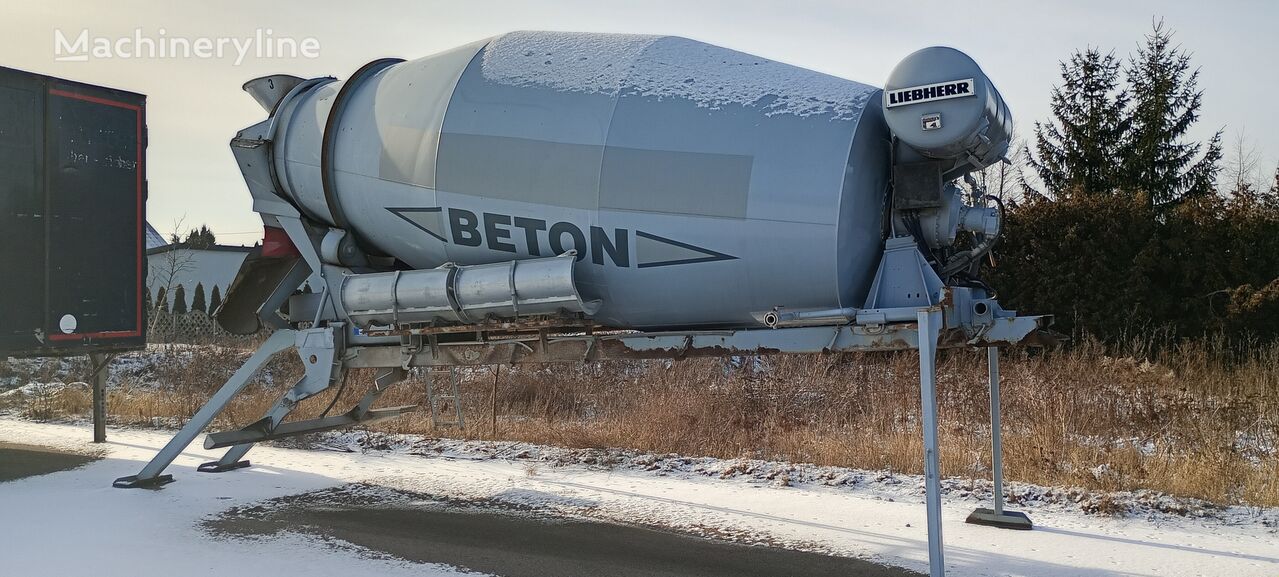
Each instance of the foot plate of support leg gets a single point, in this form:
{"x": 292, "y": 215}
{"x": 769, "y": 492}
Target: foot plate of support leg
{"x": 216, "y": 467}
{"x": 1006, "y": 520}
{"x": 133, "y": 482}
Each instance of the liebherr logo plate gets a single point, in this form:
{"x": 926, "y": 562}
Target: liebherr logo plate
{"x": 929, "y": 93}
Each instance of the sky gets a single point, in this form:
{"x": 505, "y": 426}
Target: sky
{"x": 195, "y": 105}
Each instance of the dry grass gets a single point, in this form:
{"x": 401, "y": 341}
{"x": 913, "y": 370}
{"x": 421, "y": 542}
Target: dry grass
{"x": 1197, "y": 421}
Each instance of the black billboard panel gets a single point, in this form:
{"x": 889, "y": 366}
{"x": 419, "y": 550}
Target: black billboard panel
{"x": 72, "y": 216}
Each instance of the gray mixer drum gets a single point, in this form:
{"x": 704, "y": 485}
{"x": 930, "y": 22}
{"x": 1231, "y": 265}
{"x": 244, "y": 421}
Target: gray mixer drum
{"x": 697, "y": 184}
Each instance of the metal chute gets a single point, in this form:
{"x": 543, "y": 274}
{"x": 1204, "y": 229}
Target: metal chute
{"x": 257, "y": 280}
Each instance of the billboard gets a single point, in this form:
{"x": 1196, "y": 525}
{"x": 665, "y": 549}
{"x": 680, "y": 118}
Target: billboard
{"x": 72, "y": 217}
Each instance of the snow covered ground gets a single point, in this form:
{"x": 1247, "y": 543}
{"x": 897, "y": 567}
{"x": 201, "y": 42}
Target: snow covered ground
{"x": 870, "y": 515}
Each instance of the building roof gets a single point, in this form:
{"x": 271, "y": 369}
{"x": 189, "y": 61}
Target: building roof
{"x": 214, "y": 248}
{"x": 154, "y": 238}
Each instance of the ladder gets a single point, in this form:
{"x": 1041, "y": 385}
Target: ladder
{"x": 439, "y": 401}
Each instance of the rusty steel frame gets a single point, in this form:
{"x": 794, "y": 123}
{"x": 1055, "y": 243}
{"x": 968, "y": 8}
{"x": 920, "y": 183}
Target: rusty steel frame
{"x": 544, "y": 347}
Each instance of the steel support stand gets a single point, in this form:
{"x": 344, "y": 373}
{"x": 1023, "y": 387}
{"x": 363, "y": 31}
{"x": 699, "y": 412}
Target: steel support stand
{"x": 234, "y": 457}
{"x": 996, "y": 439}
{"x": 150, "y": 475}
{"x": 99, "y": 362}
{"x": 930, "y": 321}
{"x": 267, "y": 425}
{"x": 997, "y": 517}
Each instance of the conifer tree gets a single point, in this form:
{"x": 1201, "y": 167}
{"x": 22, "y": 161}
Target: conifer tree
{"x": 180, "y": 300}
{"x": 162, "y": 300}
{"x": 1079, "y": 150}
{"x": 1165, "y": 103}
{"x": 215, "y": 300}
{"x": 200, "y": 238}
{"x": 197, "y": 299}
{"x": 1270, "y": 198}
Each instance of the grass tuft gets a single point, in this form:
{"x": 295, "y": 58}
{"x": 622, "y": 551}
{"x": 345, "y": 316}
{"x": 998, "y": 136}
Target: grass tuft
{"x": 1196, "y": 420}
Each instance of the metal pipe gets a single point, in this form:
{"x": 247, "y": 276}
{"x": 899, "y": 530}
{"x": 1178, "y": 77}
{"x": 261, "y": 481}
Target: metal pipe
{"x": 319, "y": 311}
{"x": 780, "y": 317}
{"x": 784, "y": 318}
{"x": 464, "y": 294}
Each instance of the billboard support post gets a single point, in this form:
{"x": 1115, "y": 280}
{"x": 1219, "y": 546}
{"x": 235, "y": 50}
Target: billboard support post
{"x": 100, "y": 362}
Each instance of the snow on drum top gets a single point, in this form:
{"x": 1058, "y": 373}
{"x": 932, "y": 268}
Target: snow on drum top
{"x": 669, "y": 67}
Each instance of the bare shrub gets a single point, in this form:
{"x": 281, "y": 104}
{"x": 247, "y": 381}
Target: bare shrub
{"x": 1198, "y": 419}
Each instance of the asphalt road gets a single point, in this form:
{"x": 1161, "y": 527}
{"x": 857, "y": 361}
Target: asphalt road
{"x": 510, "y": 544}
{"x": 18, "y": 461}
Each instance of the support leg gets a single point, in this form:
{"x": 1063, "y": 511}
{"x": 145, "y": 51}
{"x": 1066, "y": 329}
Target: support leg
{"x": 383, "y": 380}
{"x": 930, "y": 321}
{"x": 99, "y": 362}
{"x": 996, "y": 438}
{"x": 234, "y": 457}
{"x": 150, "y": 475}
{"x": 997, "y": 517}
{"x": 361, "y": 413}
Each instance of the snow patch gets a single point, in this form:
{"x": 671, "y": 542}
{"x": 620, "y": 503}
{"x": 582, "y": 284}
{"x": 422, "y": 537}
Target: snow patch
{"x": 873, "y": 515}
{"x": 889, "y": 486}
{"x": 668, "y": 67}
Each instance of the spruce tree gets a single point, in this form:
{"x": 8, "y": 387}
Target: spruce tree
{"x": 1079, "y": 148}
{"x": 215, "y": 300}
{"x": 162, "y": 300}
{"x": 1270, "y": 198}
{"x": 1166, "y": 101}
{"x": 180, "y": 300}
{"x": 200, "y": 238}
{"x": 197, "y": 299}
